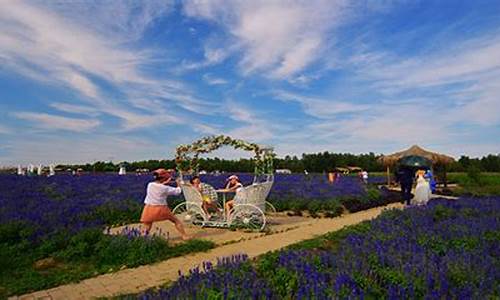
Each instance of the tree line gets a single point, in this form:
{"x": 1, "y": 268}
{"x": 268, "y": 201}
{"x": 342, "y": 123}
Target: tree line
{"x": 316, "y": 162}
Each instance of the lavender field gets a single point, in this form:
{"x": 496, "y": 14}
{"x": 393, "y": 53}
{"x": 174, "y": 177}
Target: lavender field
{"x": 72, "y": 203}
{"x": 418, "y": 253}
{"x": 447, "y": 250}
{"x": 54, "y": 226}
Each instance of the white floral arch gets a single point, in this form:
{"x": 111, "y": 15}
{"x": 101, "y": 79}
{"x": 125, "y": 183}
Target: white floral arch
{"x": 187, "y": 155}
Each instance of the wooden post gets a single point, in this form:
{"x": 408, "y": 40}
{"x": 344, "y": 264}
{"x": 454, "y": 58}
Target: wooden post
{"x": 444, "y": 175}
{"x": 388, "y": 175}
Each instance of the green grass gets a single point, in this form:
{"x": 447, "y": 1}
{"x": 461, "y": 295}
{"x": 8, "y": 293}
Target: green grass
{"x": 25, "y": 267}
{"x": 477, "y": 184}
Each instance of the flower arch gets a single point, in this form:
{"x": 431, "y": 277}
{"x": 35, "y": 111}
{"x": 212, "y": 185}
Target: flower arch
{"x": 187, "y": 155}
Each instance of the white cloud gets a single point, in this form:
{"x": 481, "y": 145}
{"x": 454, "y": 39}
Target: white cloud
{"x": 53, "y": 122}
{"x": 134, "y": 121}
{"x": 378, "y": 127}
{"x": 212, "y": 55}
{"x": 298, "y": 58}
{"x": 156, "y": 115}
{"x": 249, "y": 125}
{"x": 81, "y": 149}
{"x": 83, "y": 84}
{"x": 465, "y": 76}
{"x": 75, "y": 109}
{"x": 210, "y": 79}
{"x": 79, "y": 44}
{"x": 279, "y": 37}
{"x": 442, "y": 100}
{"x": 125, "y": 19}
{"x": 42, "y": 42}
{"x": 4, "y": 130}
{"x": 322, "y": 107}
{"x": 239, "y": 113}
{"x": 206, "y": 129}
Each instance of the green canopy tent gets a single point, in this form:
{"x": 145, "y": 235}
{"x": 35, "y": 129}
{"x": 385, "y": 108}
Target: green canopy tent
{"x": 416, "y": 162}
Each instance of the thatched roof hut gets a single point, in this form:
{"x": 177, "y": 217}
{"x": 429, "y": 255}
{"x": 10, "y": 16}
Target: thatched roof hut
{"x": 436, "y": 158}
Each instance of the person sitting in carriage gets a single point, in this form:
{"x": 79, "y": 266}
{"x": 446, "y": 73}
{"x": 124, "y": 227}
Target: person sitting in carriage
{"x": 205, "y": 191}
{"x": 233, "y": 185}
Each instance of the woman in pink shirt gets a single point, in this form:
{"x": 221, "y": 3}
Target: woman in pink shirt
{"x": 156, "y": 207}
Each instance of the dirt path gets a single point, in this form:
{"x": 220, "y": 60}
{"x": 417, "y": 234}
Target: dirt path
{"x": 144, "y": 277}
{"x": 398, "y": 189}
{"x": 276, "y": 223}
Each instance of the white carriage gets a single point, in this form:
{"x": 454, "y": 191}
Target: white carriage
{"x": 250, "y": 205}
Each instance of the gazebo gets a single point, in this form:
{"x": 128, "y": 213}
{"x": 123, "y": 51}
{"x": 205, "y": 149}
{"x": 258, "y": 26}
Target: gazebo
{"x": 436, "y": 158}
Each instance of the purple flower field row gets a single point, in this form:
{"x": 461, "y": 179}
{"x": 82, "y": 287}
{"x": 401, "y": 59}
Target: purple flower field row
{"x": 70, "y": 203}
{"x": 447, "y": 250}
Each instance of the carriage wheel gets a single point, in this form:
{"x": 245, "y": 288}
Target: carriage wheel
{"x": 247, "y": 216}
{"x": 270, "y": 208}
{"x": 190, "y": 214}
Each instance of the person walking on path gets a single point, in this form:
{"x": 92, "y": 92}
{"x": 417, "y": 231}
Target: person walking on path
{"x": 156, "y": 207}
{"x": 405, "y": 178}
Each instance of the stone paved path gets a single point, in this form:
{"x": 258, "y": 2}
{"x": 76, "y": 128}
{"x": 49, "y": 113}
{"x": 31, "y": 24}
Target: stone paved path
{"x": 144, "y": 277}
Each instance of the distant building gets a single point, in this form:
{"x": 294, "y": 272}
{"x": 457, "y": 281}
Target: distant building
{"x": 141, "y": 171}
{"x": 283, "y": 171}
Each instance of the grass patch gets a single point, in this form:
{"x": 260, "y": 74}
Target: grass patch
{"x": 475, "y": 183}
{"x": 59, "y": 260}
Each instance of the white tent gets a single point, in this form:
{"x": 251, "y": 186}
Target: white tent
{"x": 122, "y": 171}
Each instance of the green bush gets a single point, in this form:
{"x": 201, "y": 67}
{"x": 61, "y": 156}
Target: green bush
{"x": 373, "y": 194}
{"x": 314, "y": 206}
{"x": 82, "y": 245}
{"x": 87, "y": 253}
{"x": 116, "y": 213}
{"x": 14, "y": 232}
{"x": 333, "y": 208}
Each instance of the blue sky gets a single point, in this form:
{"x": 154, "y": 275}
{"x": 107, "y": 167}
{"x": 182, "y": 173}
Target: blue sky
{"x": 129, "y": 80}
